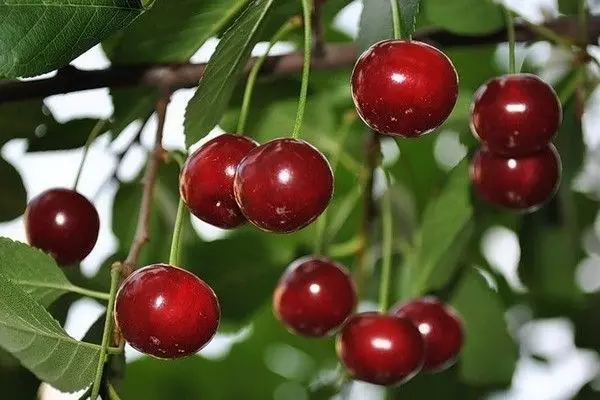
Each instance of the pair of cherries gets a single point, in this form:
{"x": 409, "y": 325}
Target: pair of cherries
{"x": 516, "y": 116}
{"x": 316, "y": 297}
{"x": 281, "y": 186}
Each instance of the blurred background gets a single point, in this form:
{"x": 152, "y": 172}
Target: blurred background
{"x": 550, "y": 365}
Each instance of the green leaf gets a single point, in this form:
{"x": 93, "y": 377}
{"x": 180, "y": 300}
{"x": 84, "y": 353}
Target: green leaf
{"x": 37, "y": 36}
{"x": 465, "y": 16}
{"x": 131, "y": 105}
{"x": 173, "y": 30}
{"x": 568, "y": 7}
{"x": 14, "y": 198}
{"x": 375, "y": 23}
{"x": 489, "y": 354}
{"x": 216, "y": 86}
{"x": 408, "y": 12}
{"x": 31, "y": 334}
{"x": 70, "y": 135}
{"x": 445, "y": 230}
{"x": 33, "y": 271}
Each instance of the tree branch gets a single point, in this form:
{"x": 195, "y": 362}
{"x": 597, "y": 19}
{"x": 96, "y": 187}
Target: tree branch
{"x": 176, "y": 76}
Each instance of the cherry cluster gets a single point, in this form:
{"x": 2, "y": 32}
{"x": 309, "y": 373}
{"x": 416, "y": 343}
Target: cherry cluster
{"x": 515, "y": 117}
{"x": 316, "y": 297}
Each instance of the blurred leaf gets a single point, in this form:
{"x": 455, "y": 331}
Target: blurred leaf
{"x": 375, "y": 23}
{"x": 216, "y": 86}
{"x": 14, "y": 198}
{"x": 445, "y": 230}
{"x": 16, "y": 381}
{"x": 70, "y": 135}
{"x": 35, "y": 272}
{"x": 269, "y": 359}
{"x": 465, "y": 16}
{"x": 441, "y": 385}
{"x": 568, "y": 7}
{"x": 37, "y": 36}
{"x": 20, "y": 119}
{"x": 489, "y": 354}
{"x": 172, "y": 30}
{"x": 37, "y": 340}
{"x": 131, "y": 105}
{"x": 409, "y": 9}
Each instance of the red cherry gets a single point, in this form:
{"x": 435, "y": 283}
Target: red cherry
{"x": 522, "y": 184}
{"x": 516, "y": 114}
{"x": 62, "y": 223}
{"x": 166, "y": 312}
{"x": 314, "y": 296}
{"x": 283, "y": 185}
{"x": 380, "y": 348}
{"x": 404, "y": 88}
{"x": 206, "y": 182}
{"x": 440, "y": 326}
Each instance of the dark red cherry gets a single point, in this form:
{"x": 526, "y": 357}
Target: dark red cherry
{"x": 314, "y": 296}
{"x": 380, "y": 348}
{"x": 283, "y": 185}
{"x": 206, "y": 181}
{"x": 522, "y": 184}
{"x": 62, "y": 223}
{"x": 166, "y": 312}
{"x": 440, "y": 326}
{"x": 515, "y": 114}
{"x": 404, "y": 88}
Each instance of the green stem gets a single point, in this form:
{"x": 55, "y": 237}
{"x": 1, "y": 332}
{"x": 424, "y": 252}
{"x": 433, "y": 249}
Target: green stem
{"x": 251, "y": 82}
{"x": 115, "y": 274}
{"x": 177, "y": 231}
{"x": 387, "y": 248}
{"x": 510, "y": 29}
{"x": 112, "y": 393}
{"x": 93, "y": 134}
{"x": 114, "y": 350}
{"x": 347, "y": 248}
{"x": 583, "y": 22}
{"x": 396, "y": 19}
{"x": 306, "y": 13}
{"x": 349, "y": 118}
{"x": 549, "y": 34}
{"x": 89, "y": 293}
{"x": 572, "y": 84}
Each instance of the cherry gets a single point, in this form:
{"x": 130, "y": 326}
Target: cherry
{"x": 404, "y": 88}
{"x": 206, "y": 182}
{"x": 522, "y": 184}
{"x": 515, "y": 114}
{"x": 314, "y": 296}
{"x": 62, "y": 223}
{"x": 440, "y": 326}
{"x": 166, "y": 312}
{"x": 283, "y": 185}
{"x": 380, "y": 348}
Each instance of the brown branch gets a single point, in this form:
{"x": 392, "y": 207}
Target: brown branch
{"x": 141, "y": 232}
{"x": 184, "y": 75}
{"x": 318, "y": 28}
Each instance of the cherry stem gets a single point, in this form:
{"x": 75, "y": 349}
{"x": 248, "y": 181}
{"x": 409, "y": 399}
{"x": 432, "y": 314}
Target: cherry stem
{"x": 112, "y": 393}
{"x": 285, "y": 29}
{"x": 348, "y": 120}
{"x": 306, "y": 13}
{"x": 179, "y": 226}
{"x": 93, "y": 134}
{"x": 396, "y": 19}
{"x": 89, "y": 293}
{"x": 115, "y": 274}
{"x": 387, "y": 247}
{"x": 510, "y": 31}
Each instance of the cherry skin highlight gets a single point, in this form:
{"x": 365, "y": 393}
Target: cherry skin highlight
{"x": 404, "y": 88}
{"x": 206, "y": 181}
{"x": 314, "y": 296}
{"x": 380, "y": 348}
{"x": 440, "y": 326}
{"x": 283, "y": 185}
{"x": 166, "y": 312}
{"x": 515, "y": 114}
{"x": 63, "y": 223}
{"x": 520, "y": 184}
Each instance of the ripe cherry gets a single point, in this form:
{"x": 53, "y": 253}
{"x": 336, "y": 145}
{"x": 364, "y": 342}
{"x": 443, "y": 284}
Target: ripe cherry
{"x": 515, "y": 114}
{"x": 314, "y": 296}
{"x": 380, "y": 348}
{"x": 440, "y": 326}
{"x": 404, "y": 88}
{"x": 206, "y": 182}
{"x": 62, "y": 223}
{"x": 166, "y": 312}
{"x": 283, "y": 185}
{"x": 522, "y": 184}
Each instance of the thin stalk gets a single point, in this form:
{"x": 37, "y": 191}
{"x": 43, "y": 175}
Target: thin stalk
{"x": 510, "y": 30}
{"x": 177, "y": 232}
{"x": 251, "y": 82}
{"x": 387, "y": 249}
{"x": 397, "y": 22}
{"x": 115, "y": 274}
{"x": 89, "y": 293}
{"x": 306, "y": 13}
{"x": 93, "y": 134}
{"x": 112, "y": 393}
